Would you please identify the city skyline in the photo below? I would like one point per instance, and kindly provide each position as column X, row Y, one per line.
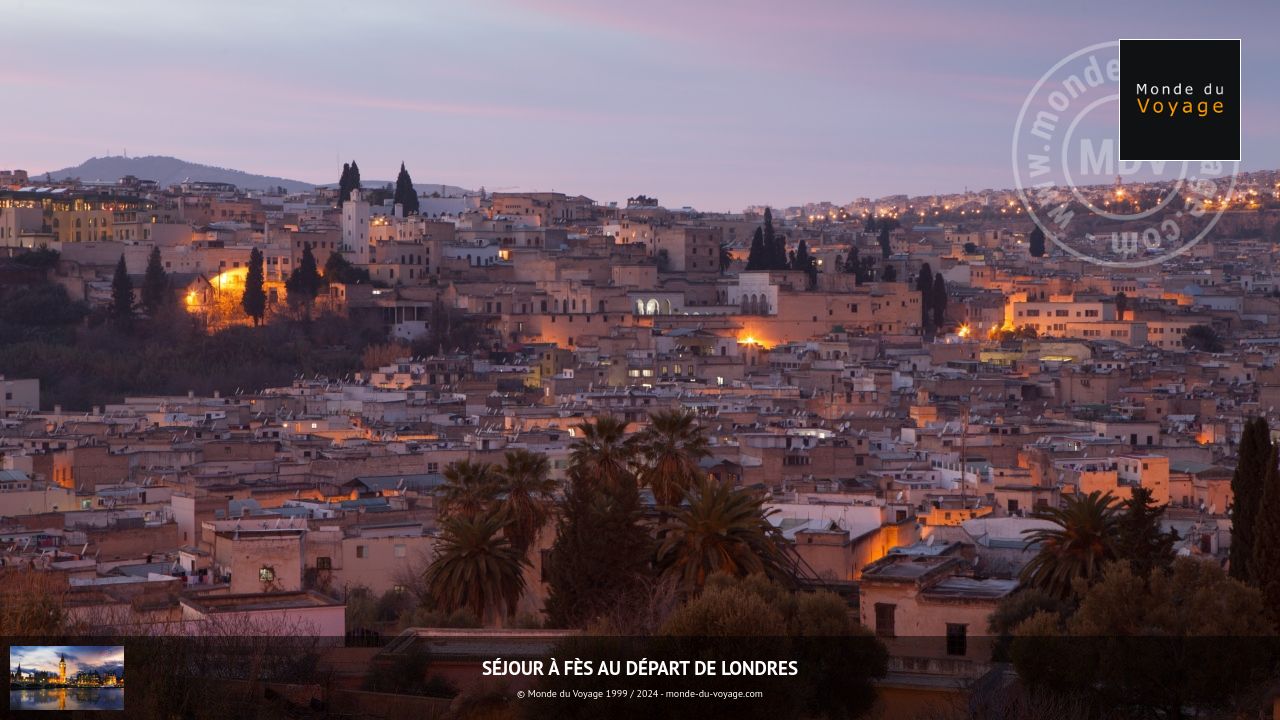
column 80, row 658
column 823, row 102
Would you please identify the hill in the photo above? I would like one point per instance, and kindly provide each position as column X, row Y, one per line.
column 168, row 171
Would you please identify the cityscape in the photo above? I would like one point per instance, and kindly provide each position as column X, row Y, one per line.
column 388, row 420
column 40, row 677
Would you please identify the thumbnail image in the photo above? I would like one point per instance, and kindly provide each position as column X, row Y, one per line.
column 66, row 677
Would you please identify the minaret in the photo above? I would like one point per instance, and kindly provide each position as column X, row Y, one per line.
column 62, row 669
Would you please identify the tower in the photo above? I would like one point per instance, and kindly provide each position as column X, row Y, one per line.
column 62, row 669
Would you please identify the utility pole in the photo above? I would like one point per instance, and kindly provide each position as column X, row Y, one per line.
column 964, row 438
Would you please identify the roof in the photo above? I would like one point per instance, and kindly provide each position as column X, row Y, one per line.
column 970, row 589
column 423, row 482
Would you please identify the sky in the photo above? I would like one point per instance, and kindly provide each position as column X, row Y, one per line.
column 707, row 103
column 80, row 658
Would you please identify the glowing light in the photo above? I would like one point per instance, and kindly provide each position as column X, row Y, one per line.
column 964, row 331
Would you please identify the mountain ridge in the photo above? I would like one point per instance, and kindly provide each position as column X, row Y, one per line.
column 166, row 170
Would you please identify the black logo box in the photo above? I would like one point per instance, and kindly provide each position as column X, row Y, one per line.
column 1186, row 65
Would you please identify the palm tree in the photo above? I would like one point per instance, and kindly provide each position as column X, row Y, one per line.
column 720, row 529
column 1083, row 541
column 476, row 566
column 469, row 488
column 671, row 447
column 526, row 495
column 602, row 454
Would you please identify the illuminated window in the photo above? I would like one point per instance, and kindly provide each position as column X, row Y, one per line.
column 267, row 574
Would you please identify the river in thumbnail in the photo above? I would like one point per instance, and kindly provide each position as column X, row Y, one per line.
column 75, row 698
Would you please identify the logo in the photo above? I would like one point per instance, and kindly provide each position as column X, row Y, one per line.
column 1087, row 200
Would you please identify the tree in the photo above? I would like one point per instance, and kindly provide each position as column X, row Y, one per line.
column 254, row 300
column 602, row 455
column 1083, row 541
column 721, row 529
column 754, row 616
column 602, row 555
column 1122, row 302
column 304, row 282
column 469, row 488
column 1266, row 541
column 938, row 299
column 756, row 258
column 121, row 307
column 349, row 181
column 671, row 448
column 406, row 196
column 476, row 567
column 889, row 274
column 924, row 285
column 337, row 269
column 775, row 246
column 1203, row 338
column 155, row 284
column 526, row 495
column 344, row 183
column 1140, row 540
column 970, row 249
column 804, row 262
column 1246, row 489
column 1035, row 242
column 885, row 248
column 1190, row 637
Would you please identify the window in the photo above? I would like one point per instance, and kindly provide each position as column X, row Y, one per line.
column 324, row 563
column 399, row 551
column 884, row 619
column 360, row 551
column 957, row 639
column 267, row 574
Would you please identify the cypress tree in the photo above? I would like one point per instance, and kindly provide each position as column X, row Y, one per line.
column 775, row 248
column 355, row 176
column 405, row 195
column 121, row 307
column 756, row 259
column 924, row 285
column 939, row 300
column 1140, row 541
column 1246, row 488
column 304, row 282
column 344, row 183
column 885, row 249
column 802, row 258
column 254, row 300
column 601, row 555
column 155, row 284
column 1265, row 564
column 889, row 274
column 1036, row 242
